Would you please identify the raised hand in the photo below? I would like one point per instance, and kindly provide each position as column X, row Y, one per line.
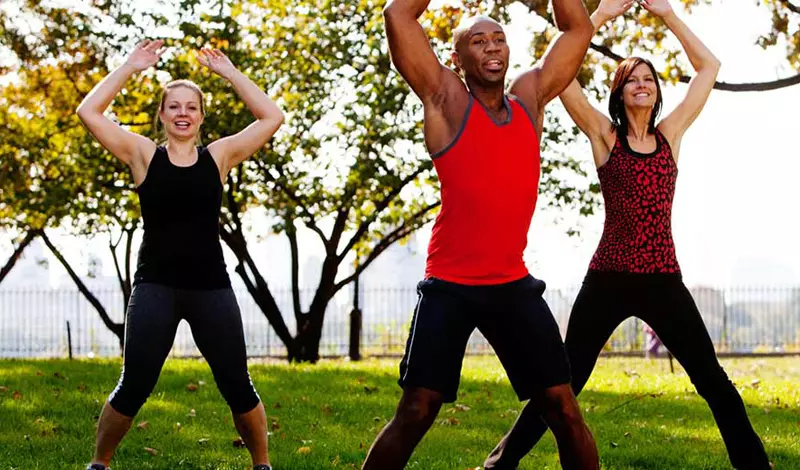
column 660, row 8
column 614, row 8
column 216, row 61
column 145, row 55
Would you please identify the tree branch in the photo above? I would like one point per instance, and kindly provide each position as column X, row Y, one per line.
column 257, row 287
column 115, row 328
column 723, row 86
column 291, row 234
column 398, row 233
column 379, row 207
column 312, row 223
column 790, row 6
column 12, row 260
column 113, row 248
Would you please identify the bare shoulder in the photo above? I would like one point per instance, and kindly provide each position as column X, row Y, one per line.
column 445, row 113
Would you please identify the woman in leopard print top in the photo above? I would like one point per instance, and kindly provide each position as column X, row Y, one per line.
column 634, row 270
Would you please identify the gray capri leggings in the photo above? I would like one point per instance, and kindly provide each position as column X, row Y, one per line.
column 154, row 312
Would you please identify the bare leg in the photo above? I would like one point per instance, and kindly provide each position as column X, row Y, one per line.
column 576, row 447
column 252, row 426
column 111, row 428
column 396, row 442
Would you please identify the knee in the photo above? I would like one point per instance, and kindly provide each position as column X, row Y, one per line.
column 418, row 410
column 240, row 395
column 560, row 409
column 714, row 383
column 127, row 399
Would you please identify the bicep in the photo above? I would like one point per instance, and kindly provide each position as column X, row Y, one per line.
column 589, row 119
column 126, row 146
column 559, row 65
column 412, row 55
column 679, row 120
column 233, row 150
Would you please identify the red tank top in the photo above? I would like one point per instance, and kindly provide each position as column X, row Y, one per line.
column 489, row 179
column 638, row 190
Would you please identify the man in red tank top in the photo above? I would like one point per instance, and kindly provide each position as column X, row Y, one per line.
column 485, row 147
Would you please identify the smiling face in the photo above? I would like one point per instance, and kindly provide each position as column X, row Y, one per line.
column 181, row 112
column 635, row 87
column 481, row 51
column 640, row 90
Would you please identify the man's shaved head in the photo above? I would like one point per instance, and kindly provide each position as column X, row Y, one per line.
column 465, row 27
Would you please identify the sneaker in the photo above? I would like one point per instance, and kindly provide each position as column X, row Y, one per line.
column 263, row 466
column 97, row 466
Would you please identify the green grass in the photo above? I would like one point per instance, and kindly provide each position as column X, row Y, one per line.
column 326, row 416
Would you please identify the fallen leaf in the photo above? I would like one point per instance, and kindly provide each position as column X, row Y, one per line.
column 304, row 450
column 461, row 407
column 191, row 387
column 277, row 405
column 275, row 426
column 627, row 434
column 16, row 395
column 201, row 383
column 326, row 410
column 614, row 444
column 143, row 425
column 369, row 389
column 59, row 375
column 151, row 451
column 192, row 413
column 238, row 443
column 202, row 441
column 82, row 387
column 3, row 388
column 39, row 373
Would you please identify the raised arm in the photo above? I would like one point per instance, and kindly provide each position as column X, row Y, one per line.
column 411, row 50
column 589, row 119
column 559, row 65
column 132, row 149
column 232, row 150
column 704, row 63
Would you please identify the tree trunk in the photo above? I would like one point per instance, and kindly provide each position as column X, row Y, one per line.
column 258, row 288
column 309, row 334
column 117, row 328
column 12, row 260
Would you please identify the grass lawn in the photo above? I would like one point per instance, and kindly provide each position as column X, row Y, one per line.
column 326, row 416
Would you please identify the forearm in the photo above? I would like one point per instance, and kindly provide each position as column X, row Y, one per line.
column 599, row 19
column 570, row 15
column 254, row 98
column 413, row 8
column 699, row 55
column 104, row 92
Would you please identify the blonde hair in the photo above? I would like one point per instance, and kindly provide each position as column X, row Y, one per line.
column 171, row 86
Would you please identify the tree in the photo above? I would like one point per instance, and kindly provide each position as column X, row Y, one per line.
column 57, row 175
column 348, row 164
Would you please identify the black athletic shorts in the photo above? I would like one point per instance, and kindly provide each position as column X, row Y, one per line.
column 513, row 317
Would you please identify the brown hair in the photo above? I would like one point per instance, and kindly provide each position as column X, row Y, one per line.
column 616, row 106
column 170, row 86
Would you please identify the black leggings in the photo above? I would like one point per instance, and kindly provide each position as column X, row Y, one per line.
column 663, row 302
column 154, row 312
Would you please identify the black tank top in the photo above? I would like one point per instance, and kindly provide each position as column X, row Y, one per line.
column 180, row 208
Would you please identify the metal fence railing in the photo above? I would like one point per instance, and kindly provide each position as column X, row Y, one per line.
column 33, row 322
